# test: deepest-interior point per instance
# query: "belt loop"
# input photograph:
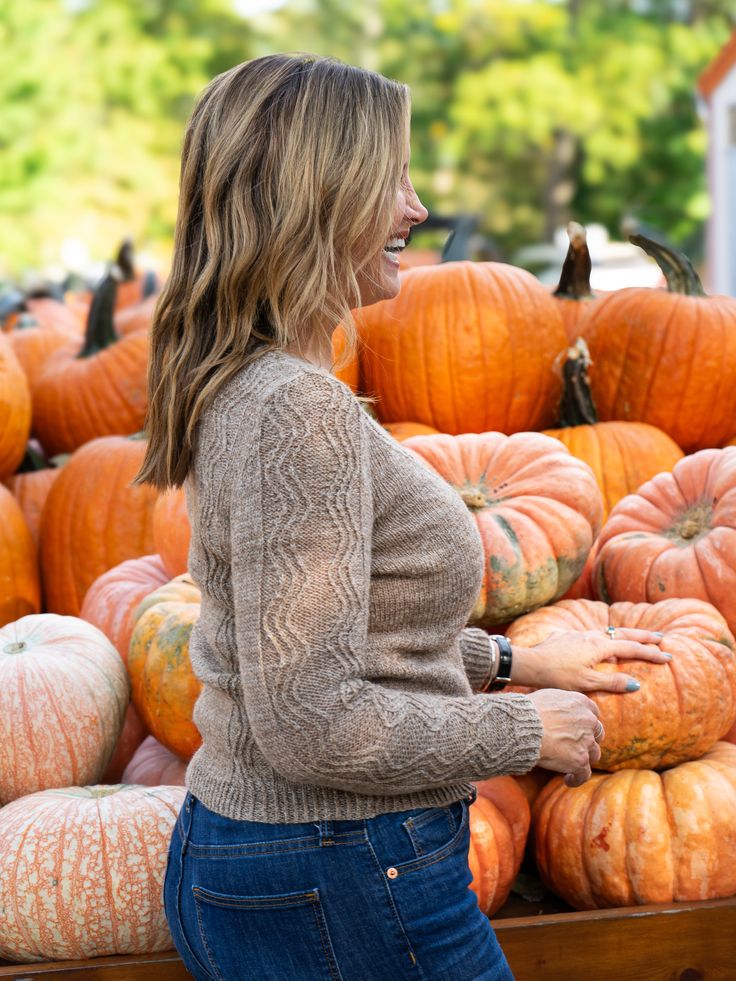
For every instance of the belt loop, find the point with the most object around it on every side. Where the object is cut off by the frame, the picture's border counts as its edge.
(326, 833)
(473, 795)
(185, 816)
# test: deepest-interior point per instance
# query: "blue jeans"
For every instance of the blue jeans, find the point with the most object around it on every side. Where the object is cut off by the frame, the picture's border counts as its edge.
(379, 899)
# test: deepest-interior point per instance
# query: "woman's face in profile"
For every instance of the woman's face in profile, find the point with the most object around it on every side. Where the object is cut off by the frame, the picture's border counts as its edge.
(408, 211)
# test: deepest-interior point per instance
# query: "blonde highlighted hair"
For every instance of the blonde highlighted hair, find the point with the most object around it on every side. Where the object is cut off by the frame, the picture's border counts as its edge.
(290, 168)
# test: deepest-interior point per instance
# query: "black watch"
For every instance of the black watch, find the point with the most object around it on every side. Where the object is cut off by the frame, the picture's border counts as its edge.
(505, 657)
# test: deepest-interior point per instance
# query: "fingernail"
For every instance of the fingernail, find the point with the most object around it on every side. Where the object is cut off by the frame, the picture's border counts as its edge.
(632, 685)
(658, 633)
(667, 655)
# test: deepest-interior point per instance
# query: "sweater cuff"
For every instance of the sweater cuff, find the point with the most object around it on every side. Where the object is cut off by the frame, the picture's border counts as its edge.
(516, 743)
(475, 648)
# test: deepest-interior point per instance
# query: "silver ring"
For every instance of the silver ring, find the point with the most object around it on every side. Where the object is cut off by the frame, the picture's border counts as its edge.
(598, 731)
(611, 631)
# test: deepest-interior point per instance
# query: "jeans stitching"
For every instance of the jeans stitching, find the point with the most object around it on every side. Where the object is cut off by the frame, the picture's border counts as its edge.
(412, 826)
(180, 919)
(420, 863)
(324, 936)
(393, 906)
(273, 848)
(203, 938)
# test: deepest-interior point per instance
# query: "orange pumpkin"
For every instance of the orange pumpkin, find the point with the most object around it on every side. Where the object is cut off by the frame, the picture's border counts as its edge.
(131, 736)
(82, 870)
(15, 410)
(675, 537)
(537, 509)
(405, 430)
(33, 345)
(137, 316)
(49, 313)
(97, 391)
(499, 825)
(163, 685)
(94, 519)
(637, 836)
(31, 489)
(63, 694)
(465, 347)
(171, 530)
(531, 783)
(666, 357)
(622, 455)
(20, 590)
(349, 374)
(154, 765)
(682, 707)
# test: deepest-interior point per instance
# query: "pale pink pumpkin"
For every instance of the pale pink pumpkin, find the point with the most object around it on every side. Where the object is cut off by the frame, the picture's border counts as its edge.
(154, 765)
(81, 872)
(133, 733)
(63, 695)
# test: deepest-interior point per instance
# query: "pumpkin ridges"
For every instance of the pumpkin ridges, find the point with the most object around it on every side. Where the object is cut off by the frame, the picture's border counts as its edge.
(21, 588)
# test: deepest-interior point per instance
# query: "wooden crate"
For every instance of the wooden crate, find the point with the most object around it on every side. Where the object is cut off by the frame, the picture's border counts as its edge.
(684, 942)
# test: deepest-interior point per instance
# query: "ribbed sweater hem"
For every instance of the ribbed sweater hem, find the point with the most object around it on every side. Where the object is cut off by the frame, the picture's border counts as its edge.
(299, 803)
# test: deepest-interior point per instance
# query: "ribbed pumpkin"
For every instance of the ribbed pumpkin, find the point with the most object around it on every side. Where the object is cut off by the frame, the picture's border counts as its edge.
(20, 589)
(637, 836)
(63, 694)
(622, 455)
(171, 531)
(683, 706)
(163, 685)
(154, 765)
(94, 519)
(350, 373)
(465, 347)
(137, 316)
(33, 344)
(405, 430)
(48, 312)
(98, 390)
(675, 537)
(573, 292)
(666, 357)
(499, 825)
(537, 509)
(15, 410)
(30, 488)
(82, 870)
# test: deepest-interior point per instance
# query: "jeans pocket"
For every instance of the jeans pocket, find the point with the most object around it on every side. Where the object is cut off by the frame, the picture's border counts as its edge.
(279, 936)
(434, 833)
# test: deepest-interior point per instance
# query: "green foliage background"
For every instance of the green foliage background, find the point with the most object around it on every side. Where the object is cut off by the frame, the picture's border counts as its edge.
(526, 112)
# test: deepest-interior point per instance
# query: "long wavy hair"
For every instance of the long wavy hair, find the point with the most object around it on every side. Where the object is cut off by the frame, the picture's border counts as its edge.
(290, 169)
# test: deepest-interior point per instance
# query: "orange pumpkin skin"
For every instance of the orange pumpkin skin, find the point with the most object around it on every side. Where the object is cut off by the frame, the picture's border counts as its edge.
(164, 687)
(154, 765)
(676, 537)
(622, 455)
(349, 374)
(94, 519)
(531, 783)
(171, 530)
(20, 589)
(30, 491)
(637, 836)
(499, 825)
(537, 508)
(113, 598)
(49, 314)
(683, 706)
(137, 316)
(405, 430)
(465, 347)
(15, 410)
(101, 893)
(63, 694)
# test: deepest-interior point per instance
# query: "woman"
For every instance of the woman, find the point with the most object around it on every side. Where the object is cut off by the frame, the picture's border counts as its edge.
(325, 829)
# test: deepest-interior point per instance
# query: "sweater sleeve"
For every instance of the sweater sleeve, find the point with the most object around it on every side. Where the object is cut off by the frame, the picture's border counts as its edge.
(476, 655)
(301, 614)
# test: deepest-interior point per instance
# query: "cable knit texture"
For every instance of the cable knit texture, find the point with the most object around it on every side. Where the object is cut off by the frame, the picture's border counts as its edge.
(337, 573)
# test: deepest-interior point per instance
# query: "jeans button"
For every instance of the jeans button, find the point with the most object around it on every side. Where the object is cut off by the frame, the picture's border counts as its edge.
(391, 873)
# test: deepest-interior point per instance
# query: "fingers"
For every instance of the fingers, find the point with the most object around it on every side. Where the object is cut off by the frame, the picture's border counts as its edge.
(578, 778)
(614, 681)
(632, 651)
(640, 636)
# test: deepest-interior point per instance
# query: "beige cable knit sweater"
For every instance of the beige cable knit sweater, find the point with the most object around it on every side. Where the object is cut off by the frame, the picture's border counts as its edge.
(337, 573)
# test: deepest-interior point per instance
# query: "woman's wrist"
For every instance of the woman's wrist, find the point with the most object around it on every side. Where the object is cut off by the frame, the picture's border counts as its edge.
(529, 668)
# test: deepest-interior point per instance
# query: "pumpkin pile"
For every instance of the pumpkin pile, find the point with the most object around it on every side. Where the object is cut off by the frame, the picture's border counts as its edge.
(532, 404)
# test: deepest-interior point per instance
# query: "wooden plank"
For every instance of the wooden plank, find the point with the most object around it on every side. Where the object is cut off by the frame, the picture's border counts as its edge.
(136, 967)
(682, 942)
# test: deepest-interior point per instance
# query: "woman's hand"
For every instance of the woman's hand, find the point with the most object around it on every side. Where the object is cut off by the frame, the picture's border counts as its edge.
(571, 734)
(568, 660)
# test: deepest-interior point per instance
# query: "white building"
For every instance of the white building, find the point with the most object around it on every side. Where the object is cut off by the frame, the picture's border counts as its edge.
(717, 91)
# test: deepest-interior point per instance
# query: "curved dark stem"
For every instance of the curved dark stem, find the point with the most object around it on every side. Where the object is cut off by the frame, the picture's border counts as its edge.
(677, 268)
(100, 331)
(574, 281)
(150, 284)
(125, 260)
(577, 407)
(32, 461)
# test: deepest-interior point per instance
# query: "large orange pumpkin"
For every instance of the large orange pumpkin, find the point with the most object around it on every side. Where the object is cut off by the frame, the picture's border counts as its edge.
(622, 455)
(349, 373)
(675, 537)
(163, 686)
(82, 870)
(637, 836)
(20, 590)
(63, 694)
(405, 430)
(15, 410)
(499, 825)
(33, 344)
(30, 489)
(465, 347)
(171, 530)
(94, 519)
(537, 509)
(683, 706)
(154, 765)
(99, 390)
(666, 357)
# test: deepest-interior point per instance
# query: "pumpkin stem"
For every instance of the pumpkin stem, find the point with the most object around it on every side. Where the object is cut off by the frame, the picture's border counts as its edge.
(574, 281)
(677, 268)
(15, 648)
(33, 460)
(100, 331)
(124, 260)
(577, 407)
(472, 498)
